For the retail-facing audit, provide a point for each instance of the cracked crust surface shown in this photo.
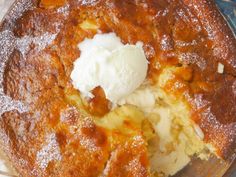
(56, 139)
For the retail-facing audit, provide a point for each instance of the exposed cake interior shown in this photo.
(171, 135)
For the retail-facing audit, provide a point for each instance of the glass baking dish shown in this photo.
(197, 168)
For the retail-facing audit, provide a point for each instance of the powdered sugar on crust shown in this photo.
(7, 45)
(40, 43)
(64, 10)
(87, 143)
(19, 7)
(49, 152)
(89, 2)
(8, 42)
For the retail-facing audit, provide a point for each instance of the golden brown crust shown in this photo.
(55, 139)
(218, 115)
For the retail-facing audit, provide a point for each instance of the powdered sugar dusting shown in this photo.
(89, 144)
(85, 141)
(135, 165)
(7, 104)
(193, 58)
(69, 114)
(40, 42)
(64, 10)
(4, 138)
(49, 152)
(7, 45)
(19, 7)
(89, 2)
(200, 102)
(8, 42)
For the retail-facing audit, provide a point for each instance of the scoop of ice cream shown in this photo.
(106, 62)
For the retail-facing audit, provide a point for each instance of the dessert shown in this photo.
(183, 105)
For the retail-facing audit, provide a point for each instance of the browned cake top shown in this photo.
(55, 139)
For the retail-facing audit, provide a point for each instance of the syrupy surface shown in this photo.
(54, 138)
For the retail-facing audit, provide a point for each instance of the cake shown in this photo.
(47, 127)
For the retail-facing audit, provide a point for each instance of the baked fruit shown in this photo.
(48, 128)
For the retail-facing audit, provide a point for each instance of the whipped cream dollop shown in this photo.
(106, 62)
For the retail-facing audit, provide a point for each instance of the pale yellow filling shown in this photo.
(173, 137)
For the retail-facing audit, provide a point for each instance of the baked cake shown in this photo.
(48, 128)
